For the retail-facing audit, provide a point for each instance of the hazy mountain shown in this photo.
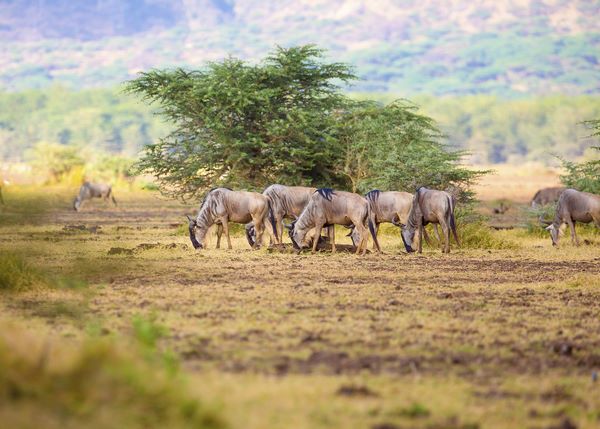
(408, 46)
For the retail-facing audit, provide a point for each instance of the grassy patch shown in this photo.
(98, 384)
(17, 275)
(480, 236)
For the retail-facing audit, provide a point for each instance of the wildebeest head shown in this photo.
(354, 235)
(408, 236)
(76, 203)
(297, 235)
(554, 233)
(193, 229)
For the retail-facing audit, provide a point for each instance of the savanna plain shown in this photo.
(503, 332)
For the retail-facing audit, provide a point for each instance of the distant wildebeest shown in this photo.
(328, 207)
(89, 190)
(223, 205)
(547, 196)
(574, 206)
(430, 206)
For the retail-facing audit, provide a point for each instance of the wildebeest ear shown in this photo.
(549, 228)
(288, 226)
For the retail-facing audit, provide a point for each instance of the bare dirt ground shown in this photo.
(479, 338)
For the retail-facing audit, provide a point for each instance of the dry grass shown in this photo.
(488, 336)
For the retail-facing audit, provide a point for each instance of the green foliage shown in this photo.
(584, 176)
(99, 384)
(394, 147)
(285, 120)
(54, 160)
(246, 125)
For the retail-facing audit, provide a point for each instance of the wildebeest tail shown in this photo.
(272, 217)
(371, 224)
(452, 221)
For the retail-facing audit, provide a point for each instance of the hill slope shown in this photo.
(426, 46)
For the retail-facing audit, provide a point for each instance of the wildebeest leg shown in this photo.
(437, 233)
(316, 237)
(225, 226)
(419, 235)
(279, 232)
(219, 233)
(331, 237)
(426, 237)
(376, 233)
(446, 234)
(574, 239)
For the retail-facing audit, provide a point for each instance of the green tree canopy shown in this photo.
(247, 125)
(395, 147)
(286, 120)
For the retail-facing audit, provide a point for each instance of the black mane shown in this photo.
(326, 193)
(373, 195)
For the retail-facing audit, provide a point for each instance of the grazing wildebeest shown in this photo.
(223, 205)
(286, 201)
(430, 206)
(574, 206)
(547, 196)
(89, 190)
(391, 206)
(328, 207)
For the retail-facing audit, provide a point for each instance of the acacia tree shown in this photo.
(247, 125)
(286, 120)
(584, 176)
(395, 147)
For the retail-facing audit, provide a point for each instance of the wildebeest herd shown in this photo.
(311, 210)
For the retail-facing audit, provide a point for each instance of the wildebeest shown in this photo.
(430, 206)
(547, 196)
(286, 201)
(223, 205)
(328, 207)
(390, 206)
(574, 206)
(89, 190)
